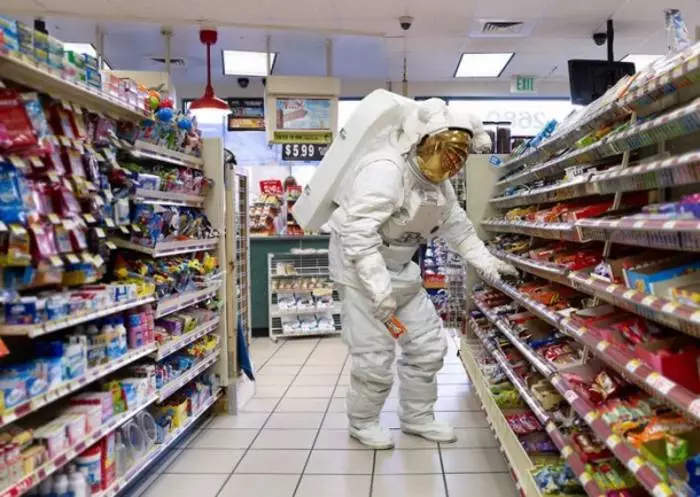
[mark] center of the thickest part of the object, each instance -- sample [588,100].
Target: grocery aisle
[290,439]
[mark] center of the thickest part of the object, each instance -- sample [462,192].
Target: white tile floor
[290,440]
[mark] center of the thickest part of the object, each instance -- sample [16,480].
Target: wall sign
[303,152]
[522,84]
[302,136]
[247,114]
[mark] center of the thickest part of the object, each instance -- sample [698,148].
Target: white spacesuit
[398,196]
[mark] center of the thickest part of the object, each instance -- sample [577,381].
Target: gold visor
[442,155]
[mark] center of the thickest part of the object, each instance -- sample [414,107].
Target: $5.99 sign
[303,151]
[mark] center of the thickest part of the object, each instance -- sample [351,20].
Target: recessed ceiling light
[482,65]
[243,63]
[641,61]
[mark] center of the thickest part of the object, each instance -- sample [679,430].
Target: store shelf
[552,193]
[622,361]
[673,314]
[276,311]
[668,83]
[30,74]
[552,231]
[560,440]
[180,342]
[178,302]
[663,173]
[68,387]
[39,329]
[543,269]
[149,151]
[545,369]
[625,453]
[43,472]
[509,444]
[173,386]
[165,249]
[138,468]
[681,234]
[143,196]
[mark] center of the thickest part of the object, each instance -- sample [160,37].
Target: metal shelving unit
[652,148]
[283,270]
[242,198]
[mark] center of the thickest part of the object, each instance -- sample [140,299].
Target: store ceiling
[367,40]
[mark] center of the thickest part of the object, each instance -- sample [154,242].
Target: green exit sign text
[523,84]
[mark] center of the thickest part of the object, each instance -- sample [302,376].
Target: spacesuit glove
[473,250]
[374,276]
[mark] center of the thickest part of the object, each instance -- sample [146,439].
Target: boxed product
[642,278]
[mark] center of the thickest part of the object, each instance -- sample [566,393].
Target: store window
[527,117]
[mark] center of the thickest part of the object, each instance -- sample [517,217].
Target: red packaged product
[43,243]
[16,131]
[64,201]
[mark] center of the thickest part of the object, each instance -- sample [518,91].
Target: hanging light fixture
[209,108]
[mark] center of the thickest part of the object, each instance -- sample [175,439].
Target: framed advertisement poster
[303,113]
[247,114]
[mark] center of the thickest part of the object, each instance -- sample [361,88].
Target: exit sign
[523,84]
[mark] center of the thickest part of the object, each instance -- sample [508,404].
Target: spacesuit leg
[372,352]
[423,349]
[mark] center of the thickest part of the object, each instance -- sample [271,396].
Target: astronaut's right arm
[375,194]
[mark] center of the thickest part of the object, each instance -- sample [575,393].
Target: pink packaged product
[76,426]
[92,413]
[140,327]
[101,399]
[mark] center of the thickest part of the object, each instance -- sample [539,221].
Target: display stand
[302,299]
[658,156]
[53,403]
[243,253]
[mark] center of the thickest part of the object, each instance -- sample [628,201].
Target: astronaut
[398,197]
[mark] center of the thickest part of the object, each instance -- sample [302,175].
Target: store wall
[260,160]
[359,88]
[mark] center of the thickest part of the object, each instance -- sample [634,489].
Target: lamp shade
[209,108]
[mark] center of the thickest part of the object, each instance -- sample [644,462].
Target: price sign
[303,151]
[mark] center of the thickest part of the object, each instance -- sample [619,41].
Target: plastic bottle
[108,332]
[78,485]
[121,335]
[60,486]
[46,488]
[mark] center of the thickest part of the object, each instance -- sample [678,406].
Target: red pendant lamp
[209,107]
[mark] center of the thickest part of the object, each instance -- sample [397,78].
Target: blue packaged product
[10,36]
[12,194]
[55,59]
[93,78]
[13,390]
[23,311]
[25,35]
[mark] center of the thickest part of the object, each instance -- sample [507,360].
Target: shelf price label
[303,151]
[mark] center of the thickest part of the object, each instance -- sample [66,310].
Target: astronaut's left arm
[459,233]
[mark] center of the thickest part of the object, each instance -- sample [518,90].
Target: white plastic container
[78,485]
[60,486]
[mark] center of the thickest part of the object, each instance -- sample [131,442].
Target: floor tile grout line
[252,442]
[374,468]
[323,420]
[442,467]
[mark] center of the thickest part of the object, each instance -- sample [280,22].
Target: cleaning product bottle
[60,486]
[78,485]
[121,335]
[108,332]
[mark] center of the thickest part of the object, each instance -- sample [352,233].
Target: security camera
[600,38]
[406,22]
[243,82]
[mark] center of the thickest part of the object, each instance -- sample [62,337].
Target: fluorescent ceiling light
[641,60]
[242,63]
[482,65]
[86,48]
